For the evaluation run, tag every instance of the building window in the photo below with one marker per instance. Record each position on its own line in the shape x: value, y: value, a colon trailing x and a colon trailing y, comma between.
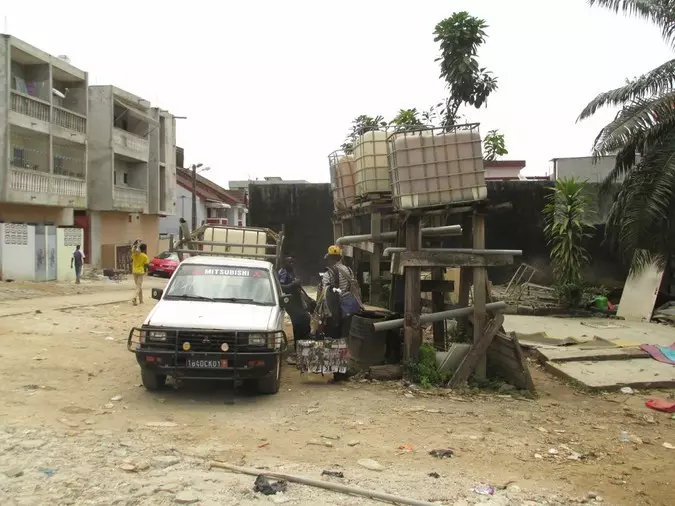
x: 58, y: 163
x: 19, y: 157
x: 114, y: 177
x: 125, y: 177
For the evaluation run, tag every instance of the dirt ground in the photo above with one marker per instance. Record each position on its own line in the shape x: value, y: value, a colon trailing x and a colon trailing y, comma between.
x: 76, y: 427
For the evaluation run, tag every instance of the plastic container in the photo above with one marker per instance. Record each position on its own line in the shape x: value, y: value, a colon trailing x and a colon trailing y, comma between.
x: 342, y: 180
x: 434, y: 167
x: 371, y: 166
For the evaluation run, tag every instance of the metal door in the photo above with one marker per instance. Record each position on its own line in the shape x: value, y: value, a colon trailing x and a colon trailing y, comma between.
x: 51, y: 253
x: 40, y: 253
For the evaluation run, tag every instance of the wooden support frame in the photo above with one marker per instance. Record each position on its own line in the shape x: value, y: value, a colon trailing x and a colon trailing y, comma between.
x: 412, y: 330
x: 431, y: 259
x: 375, y: 259
x: 479, y: 295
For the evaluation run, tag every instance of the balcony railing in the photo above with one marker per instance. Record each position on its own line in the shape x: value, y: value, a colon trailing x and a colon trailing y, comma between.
x: 30, y: 106
x: 130, y: 198
x: 32, y: 181
x: 69, y: 119
x: 130, y: 141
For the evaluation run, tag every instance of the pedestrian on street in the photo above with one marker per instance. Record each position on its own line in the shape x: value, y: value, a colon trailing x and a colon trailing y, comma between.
x: 139, y: 267
x: 76, y: 262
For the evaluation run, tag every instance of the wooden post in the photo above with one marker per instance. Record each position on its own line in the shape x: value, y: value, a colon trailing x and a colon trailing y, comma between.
x: 375, y: 259
x: 479, y: 292
x: 397, y: 281
x: 412, y: 331
x: 465, y: 273
x: 438, y: 304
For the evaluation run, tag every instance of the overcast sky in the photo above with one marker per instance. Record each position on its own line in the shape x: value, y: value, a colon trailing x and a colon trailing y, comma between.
x: 270, y: 87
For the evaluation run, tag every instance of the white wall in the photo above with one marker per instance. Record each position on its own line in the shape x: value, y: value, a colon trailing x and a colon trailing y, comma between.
x: 183, y: 209
x: 18, y: 251
x: 66, y: 241
x: 583, y: 168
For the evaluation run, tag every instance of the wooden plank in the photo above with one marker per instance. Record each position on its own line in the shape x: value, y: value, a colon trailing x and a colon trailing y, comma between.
x: 612, y: 375
x: 523, y: 363
x: 478, y: 351
x: 412, y: 331
x: 465, y: 274
x: 438, y: 304
x: 429, y: 259
x: 375, y: 259
x: 438, y: 285
x: 574, y: 354
x: 479, y: 294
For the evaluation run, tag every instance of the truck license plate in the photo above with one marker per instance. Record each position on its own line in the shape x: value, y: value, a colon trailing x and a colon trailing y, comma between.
x: 205, y: 364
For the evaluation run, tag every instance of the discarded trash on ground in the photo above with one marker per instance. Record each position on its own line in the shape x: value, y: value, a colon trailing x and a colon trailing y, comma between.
x: 484, y: 490
x: 333, y: 474
x: 434, y: 475
x: 661, y: 405
x: 263, y: 444
x: 627, y: 391
x: 444, y: 453
x: 266, y: 487
x: 47, y: 472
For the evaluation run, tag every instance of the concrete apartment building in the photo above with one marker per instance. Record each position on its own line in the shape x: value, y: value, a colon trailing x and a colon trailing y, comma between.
x: 132, y: 173
x: 43, y: 135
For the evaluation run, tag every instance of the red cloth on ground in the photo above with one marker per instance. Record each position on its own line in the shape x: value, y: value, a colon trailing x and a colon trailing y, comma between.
x: 661, y: 405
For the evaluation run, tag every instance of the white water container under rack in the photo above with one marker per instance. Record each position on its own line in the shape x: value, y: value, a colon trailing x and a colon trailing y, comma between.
x: 437, y: 166
x: 342, y: 180
x: 371, y: 167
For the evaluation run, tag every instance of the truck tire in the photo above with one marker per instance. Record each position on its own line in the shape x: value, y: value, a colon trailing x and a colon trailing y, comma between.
x: 151, y: 380
x: 269, y: 385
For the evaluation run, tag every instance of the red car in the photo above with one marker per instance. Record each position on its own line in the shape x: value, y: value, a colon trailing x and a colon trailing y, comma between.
x: 163, y: 264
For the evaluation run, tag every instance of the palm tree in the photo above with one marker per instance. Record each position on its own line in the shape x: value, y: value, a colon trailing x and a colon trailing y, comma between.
x: 642, y: 138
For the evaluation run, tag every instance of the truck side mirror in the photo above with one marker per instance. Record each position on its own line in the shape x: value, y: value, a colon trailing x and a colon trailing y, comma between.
x: 157, y: 293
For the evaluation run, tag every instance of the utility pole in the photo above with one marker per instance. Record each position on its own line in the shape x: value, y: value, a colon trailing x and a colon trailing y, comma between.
x: 194, y: 195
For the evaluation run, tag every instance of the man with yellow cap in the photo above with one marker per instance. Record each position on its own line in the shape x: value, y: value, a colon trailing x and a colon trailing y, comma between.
x: 341, y: 293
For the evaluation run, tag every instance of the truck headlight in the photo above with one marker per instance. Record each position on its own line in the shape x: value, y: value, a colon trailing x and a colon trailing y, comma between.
x: 153, y: 335
x: 257, y: 340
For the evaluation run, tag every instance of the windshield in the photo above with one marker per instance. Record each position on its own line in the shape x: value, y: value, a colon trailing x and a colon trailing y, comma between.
x: 221, y: 284
x: 167, y: 255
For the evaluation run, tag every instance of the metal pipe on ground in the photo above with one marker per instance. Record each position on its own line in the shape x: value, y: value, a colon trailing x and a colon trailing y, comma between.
x: 391, y: 236
x: 513, y: 252
x: 437, y: 317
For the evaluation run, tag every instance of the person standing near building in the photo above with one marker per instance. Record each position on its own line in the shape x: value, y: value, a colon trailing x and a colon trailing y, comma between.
x: 76, y: 262
x: 139, y: 266
x: 296, y: 309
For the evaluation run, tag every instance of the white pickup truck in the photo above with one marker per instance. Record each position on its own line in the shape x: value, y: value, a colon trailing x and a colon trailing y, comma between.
x: 218, y: 318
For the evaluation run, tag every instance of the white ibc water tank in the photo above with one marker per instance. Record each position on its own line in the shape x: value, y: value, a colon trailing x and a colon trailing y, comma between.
x: 432, y: 167
x: 371, y: 167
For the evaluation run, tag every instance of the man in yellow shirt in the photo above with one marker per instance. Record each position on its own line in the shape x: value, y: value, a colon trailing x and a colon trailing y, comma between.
x: 139, y: 266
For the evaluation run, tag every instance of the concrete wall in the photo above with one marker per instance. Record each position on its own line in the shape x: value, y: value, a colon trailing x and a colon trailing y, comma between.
x: 24, y: 213
x: 35, y: 148
x: 4, y: 115
x: 66, y: 241
x: 583, y: 168
x: 170, y: 224
x: 306, y: 210
x: 100, y: 173
x: 18, y: 252
x: 124, y: 228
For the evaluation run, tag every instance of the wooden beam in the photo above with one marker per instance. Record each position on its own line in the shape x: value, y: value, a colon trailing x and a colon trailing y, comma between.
x: 476, y: 353
x: 431, y: 259
x: 438, y: 304
x: 465, y: 273
x: 479, y: 293
x: 438, y: 285
x: 412, y: 331
x: 375, y: 259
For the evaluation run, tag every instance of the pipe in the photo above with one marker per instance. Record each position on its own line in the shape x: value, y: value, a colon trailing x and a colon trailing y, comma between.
x: 469, y: 251
x: 437, y: 317
x: 391, y: 236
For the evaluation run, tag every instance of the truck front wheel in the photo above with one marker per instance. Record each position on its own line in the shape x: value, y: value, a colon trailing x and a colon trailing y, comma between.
x: 270, y: 384
x: 151, y: 380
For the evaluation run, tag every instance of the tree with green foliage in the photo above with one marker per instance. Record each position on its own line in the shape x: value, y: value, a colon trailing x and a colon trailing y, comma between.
x: 407, y: 118
x: 361, y: 125
x: 494, y: 146
x: 460, y: 36
x: 642, y: 139
x: 567, y: 219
